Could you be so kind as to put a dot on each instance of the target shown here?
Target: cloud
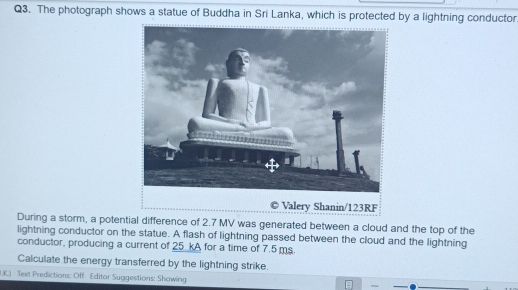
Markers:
(284, 33)
(170, 99)
(329, 95)
(216, 70)
(184, 51)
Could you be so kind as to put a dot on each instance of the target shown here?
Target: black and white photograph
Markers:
(263, 108)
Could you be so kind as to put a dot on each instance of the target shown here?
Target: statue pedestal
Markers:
(234, 148)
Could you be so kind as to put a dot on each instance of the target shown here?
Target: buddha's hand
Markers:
(234, 121)
(240, 125)
(255, 126)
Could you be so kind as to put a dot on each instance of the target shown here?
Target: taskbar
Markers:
(44, 277)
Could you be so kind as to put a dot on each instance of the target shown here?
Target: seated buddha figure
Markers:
(243, 107)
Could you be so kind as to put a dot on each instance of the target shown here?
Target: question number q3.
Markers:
(21, 9)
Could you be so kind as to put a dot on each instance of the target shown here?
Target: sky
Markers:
(308, 74)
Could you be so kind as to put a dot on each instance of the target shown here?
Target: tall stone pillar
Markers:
(356, 161)
(340, 159)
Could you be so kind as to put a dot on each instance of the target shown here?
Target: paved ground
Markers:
(239, 177)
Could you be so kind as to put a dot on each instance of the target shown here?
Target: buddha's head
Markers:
(237, 63)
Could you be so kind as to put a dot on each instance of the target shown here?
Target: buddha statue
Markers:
(243, 107)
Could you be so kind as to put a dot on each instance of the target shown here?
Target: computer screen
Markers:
(345, 145)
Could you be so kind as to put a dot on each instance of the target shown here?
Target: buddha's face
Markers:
(237, 64)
